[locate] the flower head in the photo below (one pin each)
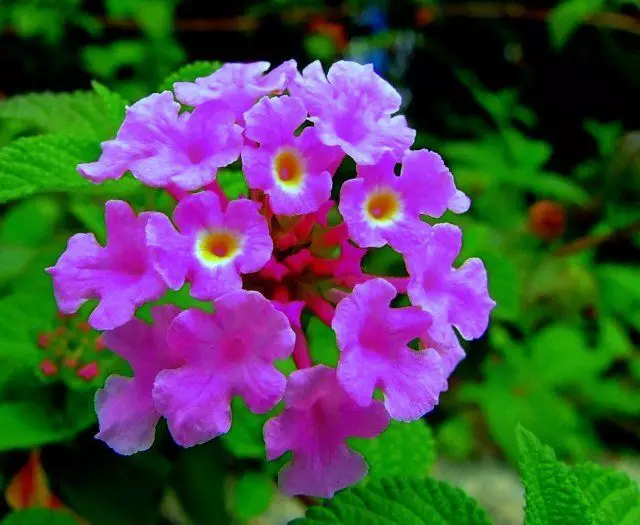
(379, 207)
(162, 147)
(236, 84)
(294, 171)
(352, 108)
(212, 248)
(318, 417)
(223, 357)
(453, 297)
(373, 339)
(126, 413)
(120, 274)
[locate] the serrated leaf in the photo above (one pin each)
(392, 501)
(189, 73)
(81, 114)
(612, 495)
(402, 449)
(39, 517)
(552, 493)
(45, 163)
(113, 101)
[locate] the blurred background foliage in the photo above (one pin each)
(534, 106)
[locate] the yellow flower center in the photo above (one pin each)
(218, 246)
(288, 167)
(383, 206)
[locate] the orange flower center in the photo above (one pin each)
(217, 246)
(382, 206)
(288, 167)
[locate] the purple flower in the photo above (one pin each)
(380, 207)
(237, 85)
(294, 171)
(213, 247)
(373, 339)
(162, 147)
(453, 297)
(126, 413)
(120, 275)
(319, 416)
(228, 353)
(352, 108)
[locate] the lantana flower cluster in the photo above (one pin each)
(291, 249)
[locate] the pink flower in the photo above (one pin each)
(228, 353)
(351, 108)
(120, 275)
(373, 339)
(380, 207)
(295, 171)
(319, 416)
(453, 297)
(237, 85)
(161, 147)
(125, 408)
(213, 247)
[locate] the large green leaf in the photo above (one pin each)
(612, 495)
(45, 163)
(189, 73)
(402, 449)
(81, 114)
(552, 492)
(252, 495)
(406, 501)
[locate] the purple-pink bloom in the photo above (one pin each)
(294, 171)
(381, 208)
(373, 339)
(228, 353)
(162, 147)
(453, 297)
(238, 85)
(126, 413)
(212, 247)
(120, 275)
(318, 417)
(352, 108)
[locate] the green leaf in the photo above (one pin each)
(252, 495)
(39, 517)
(244, 440)
(402, 449)
(199, 481)
(189, 73)
(113, 102)
(81, 114)
(322, 342)
(552, 493)
(565, 18)
(405, 501)
(30, 223)
(43, 164)
(233, 183)
(36, 422)
(612, 495)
